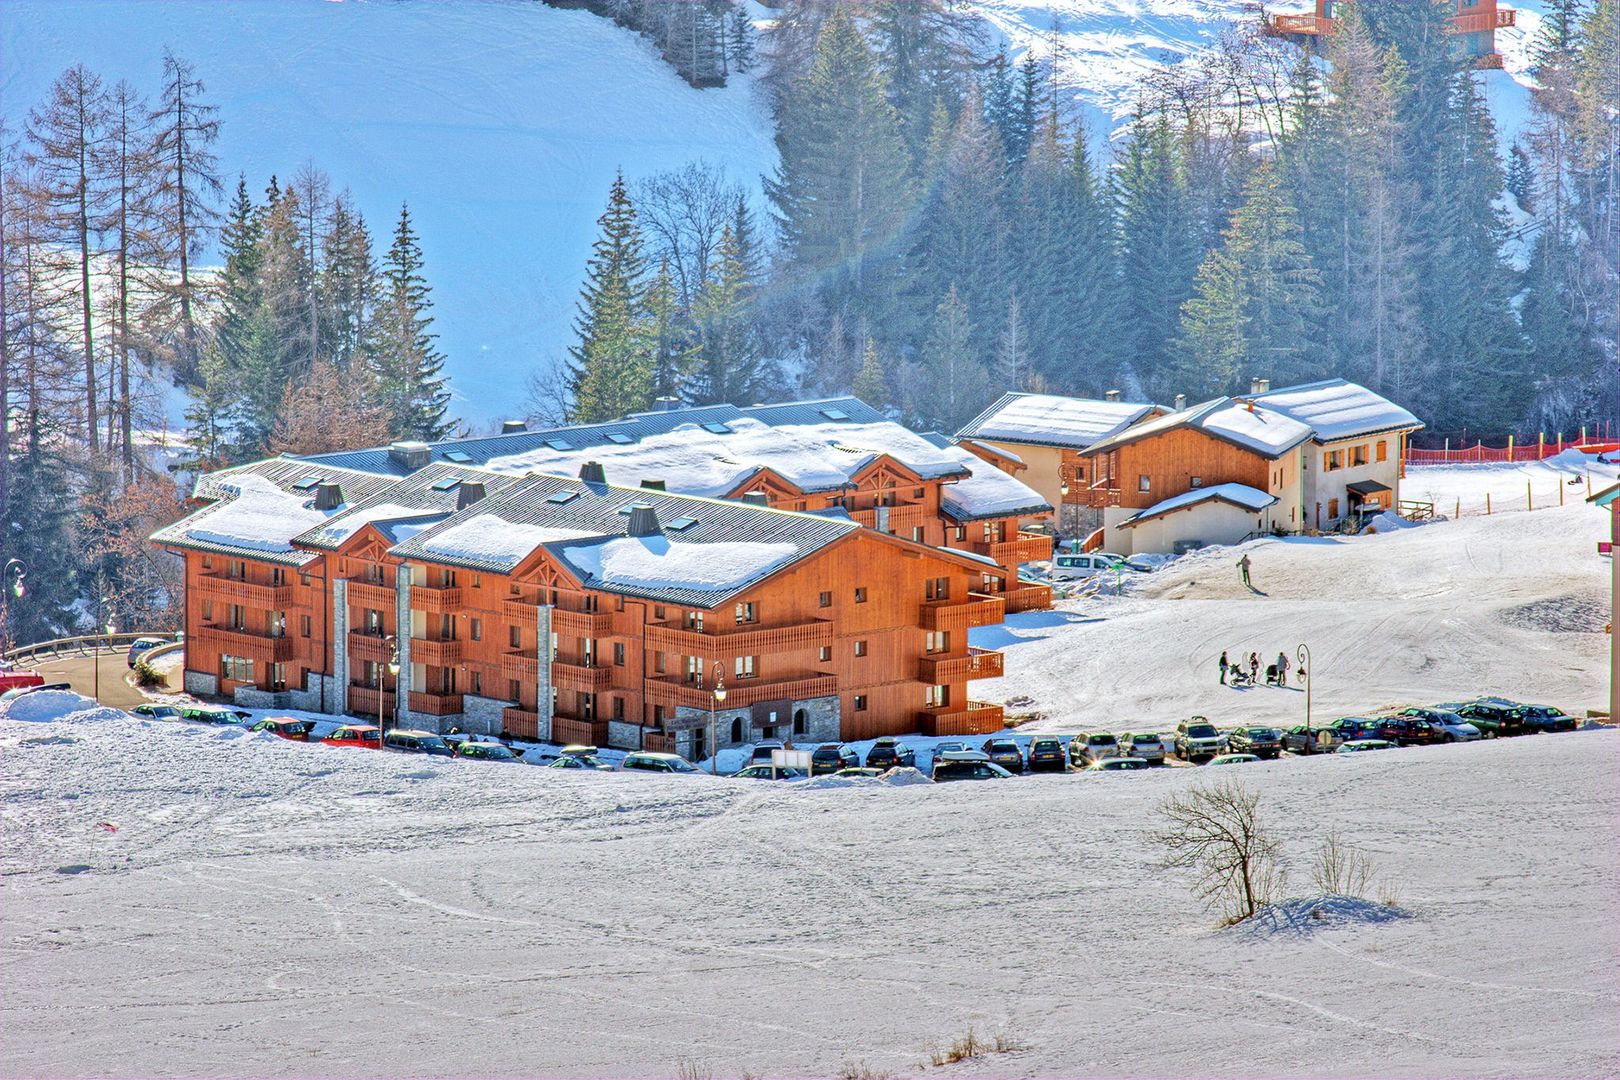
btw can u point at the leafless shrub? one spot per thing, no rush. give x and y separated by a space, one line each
690 1069
1216 832
1339 869
972 1045
861 1071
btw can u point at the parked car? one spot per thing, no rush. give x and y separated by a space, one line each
1409 731
1546 718
1354 746
1093 746
203 714
763 749
364 736
950 746
1117 764
15 683
1006 753
828 758
486 751
1143 744
417 742
1233 759
859 772
141 646
1076 567
889 752
151 710
1197 738
285 727
768 772
1264 742
1496 718
1047 753
577 756
1453 728
645 761
967 765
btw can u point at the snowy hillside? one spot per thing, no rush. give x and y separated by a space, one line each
502 122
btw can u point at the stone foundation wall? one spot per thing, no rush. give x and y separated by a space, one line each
251 697
1079 522
622 735
481 715
200 683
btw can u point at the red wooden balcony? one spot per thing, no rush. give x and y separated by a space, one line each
979 609
520 722
1028 547
435 704
902 519
363 702
435 653
524 666
435 601
723 636
1310 24
658 742
566 729
978 718
368 646
369 594
566 676
1028 598
977 664
584 624
672 693
237 591
246 644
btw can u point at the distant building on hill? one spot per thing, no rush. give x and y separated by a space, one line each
1474 23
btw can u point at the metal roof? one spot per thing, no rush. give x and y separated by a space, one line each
429 492
290 474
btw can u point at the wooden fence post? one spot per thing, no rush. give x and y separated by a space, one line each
1528 504
1487 504
1456 511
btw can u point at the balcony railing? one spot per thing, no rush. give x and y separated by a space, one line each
363 701
524 666
519 611
749 639
265 597
671 693
585 624
1028 547
1097 496
434 600
520 722
1028 598
435 653
902 519
435 704
1309 23
370 594
978 718
368 646
658 742
246 643
567 729
567 676
977 664
979 609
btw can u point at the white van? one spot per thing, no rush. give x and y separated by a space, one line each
1075 567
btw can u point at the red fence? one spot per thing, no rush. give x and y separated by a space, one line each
1480 453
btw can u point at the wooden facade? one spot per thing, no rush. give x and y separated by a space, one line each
1140 474
1474 22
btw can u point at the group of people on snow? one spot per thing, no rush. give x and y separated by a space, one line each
1245 670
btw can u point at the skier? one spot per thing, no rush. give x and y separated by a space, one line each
1243 567
1224 666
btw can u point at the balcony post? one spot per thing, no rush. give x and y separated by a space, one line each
542 652
404 683
340 643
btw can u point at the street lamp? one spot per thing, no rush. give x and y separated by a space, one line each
95 652
1303 674
383 671
11 584
716 699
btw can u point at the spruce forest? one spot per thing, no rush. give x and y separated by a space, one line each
939 229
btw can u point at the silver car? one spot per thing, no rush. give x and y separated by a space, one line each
1145 745
1456 729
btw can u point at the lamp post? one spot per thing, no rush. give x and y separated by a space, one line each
716 698
1303 674
383 671
12 583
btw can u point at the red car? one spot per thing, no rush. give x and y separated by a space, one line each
367 736
285 727
1409 731
14 680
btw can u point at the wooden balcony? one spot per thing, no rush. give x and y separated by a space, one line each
671 693
435 653
750 639
566 730
435 704
237 591
367 646
435 601
1310 24
524 666
658 742
1028 597
246 644
902 519
567 676
977 664
519 611
363 701
1479 22
978 718
369 594
584 624
979 609
1096 497
1028 547
520 722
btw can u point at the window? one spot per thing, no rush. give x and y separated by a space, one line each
937 588
477 678
208 611
918 494
208 562
475 629
1333 508
736 730
938 697
513 590
745 667
916 534
305 625
618 654
1198 481
1358 454
824 600
658 663
514 637
447 627
477 581
235 569
825 654
658 613
938 641
860 702
860 596
278 575
860 648
514 690
236 669
618 708
1383 450
593 603
278 676
694 670
303 575
553 653
799 721
236 617
960 533
1143 483
694 621
1333 459
746 613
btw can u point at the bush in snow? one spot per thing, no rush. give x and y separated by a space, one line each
1216 832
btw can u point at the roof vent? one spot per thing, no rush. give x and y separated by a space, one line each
654 485
1111 395
756 498
412 455
1181 402
468 493
643 521
1259 386
592 473
666 404
512 427
328 496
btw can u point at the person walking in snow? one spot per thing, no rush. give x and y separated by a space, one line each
1254 667
1243 568
1224 666
1282 669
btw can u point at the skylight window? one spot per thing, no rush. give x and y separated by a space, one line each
717 429
562 497
681 524
625 509
457 456
559 444
834 414
447 483
307 483
620 438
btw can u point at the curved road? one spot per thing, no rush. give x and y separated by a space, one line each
80 672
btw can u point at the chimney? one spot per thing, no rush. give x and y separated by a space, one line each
666 404
591 472
1111 395
643 521
1258 385
328 496
468 492
412 455
512 427
1181 402
653 485
756 498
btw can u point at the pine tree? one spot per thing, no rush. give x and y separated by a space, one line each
1521 178
728 351
740 39
403 355
871 383
1012 351
927 50
127 223
350 288
955 383
613 363
671 335
1001 106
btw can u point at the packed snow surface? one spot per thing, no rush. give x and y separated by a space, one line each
656 562
1336 409
177 899
491 539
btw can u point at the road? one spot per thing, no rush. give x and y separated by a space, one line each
80 672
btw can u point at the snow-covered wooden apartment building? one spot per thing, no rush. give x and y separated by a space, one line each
595 583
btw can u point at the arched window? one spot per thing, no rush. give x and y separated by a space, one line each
798 721
736 730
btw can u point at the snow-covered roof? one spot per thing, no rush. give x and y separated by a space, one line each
657 562
495 542
254 517
988 493
1336 409
1239 495
1053 420
1261 430
427 495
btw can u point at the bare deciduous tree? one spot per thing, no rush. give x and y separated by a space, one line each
683 213
1216 832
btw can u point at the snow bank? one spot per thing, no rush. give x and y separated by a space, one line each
903 777
53 706
1308 914
1389 521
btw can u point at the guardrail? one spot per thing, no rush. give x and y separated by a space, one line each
86 645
